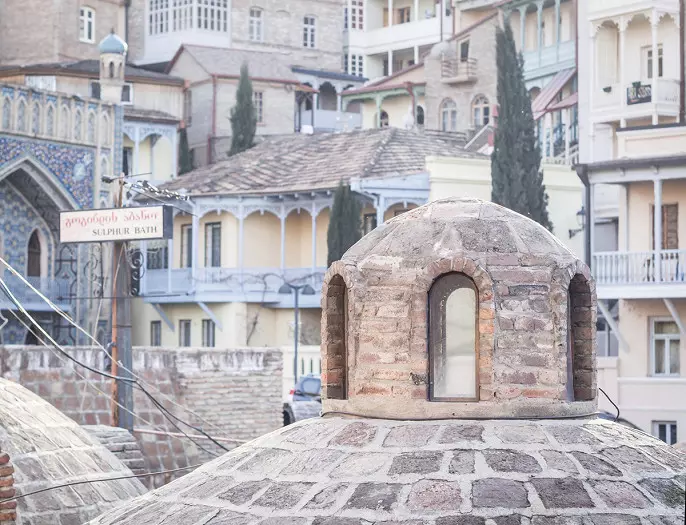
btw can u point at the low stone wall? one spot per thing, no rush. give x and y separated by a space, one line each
237 392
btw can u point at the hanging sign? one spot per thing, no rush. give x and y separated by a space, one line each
116 224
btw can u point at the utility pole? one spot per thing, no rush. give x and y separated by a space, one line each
122 391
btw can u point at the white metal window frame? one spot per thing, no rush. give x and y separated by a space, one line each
184 332
309 31
448 115
647 62
210 261
258 102
87 25
186 245
256 25
669 425
664 337
208 333
481 111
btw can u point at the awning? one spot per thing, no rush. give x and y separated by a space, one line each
540 105
568 102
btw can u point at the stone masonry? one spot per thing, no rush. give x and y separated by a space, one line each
237 393
122 444
8 510
522 274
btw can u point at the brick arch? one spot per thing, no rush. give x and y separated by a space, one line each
336 331
486 313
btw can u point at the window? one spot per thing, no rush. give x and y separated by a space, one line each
420 116
258 102
41 82
208 333
90 129
356 63
21 116
94 89
186 246
368 222
448 115
35 118
127 160
35 256
6 113
453 353
127 94
182 15
665 343
213 246
308 31
670 227
648 62
188 107
334 345
256 32
158 17
356 14
155 333
666 431
78 125
481 112
464 51
403 15
87 25
213 15
383 119
158 258
185 332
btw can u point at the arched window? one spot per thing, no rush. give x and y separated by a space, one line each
481 112
111 67
34 256
448 115
453 327
35 118
383 120
91 127
50 121
64 123
21 116
77 125
104 130
104 167
580 339
420 116
255 25
335 343
309 31
6 113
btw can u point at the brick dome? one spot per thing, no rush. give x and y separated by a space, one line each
389 451
532 342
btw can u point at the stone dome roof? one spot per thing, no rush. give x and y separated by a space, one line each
113 44
339 471
47 448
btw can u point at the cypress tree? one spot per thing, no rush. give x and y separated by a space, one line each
344 224
185 162
516 177
243 118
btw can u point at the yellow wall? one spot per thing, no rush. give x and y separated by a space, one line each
157 159
322 229
262 241
457 177
651 142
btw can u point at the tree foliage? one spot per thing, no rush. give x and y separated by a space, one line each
185 160
344 224
517 180
243 118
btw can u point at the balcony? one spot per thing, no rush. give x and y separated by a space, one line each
608 8
401 36
57 290
253 285
640 275
550 60
331 120
636 100
458 71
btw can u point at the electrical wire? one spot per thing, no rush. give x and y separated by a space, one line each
99 480
138 379
613 403
470 418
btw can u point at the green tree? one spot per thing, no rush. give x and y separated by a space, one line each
344 224
185 161
243 118
516 177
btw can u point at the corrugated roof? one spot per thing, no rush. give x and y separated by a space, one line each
545 97
314 162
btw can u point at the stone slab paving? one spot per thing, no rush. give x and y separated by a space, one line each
340 471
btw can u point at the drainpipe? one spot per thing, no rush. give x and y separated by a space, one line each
682 21
210 141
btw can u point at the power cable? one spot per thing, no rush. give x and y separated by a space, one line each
100 480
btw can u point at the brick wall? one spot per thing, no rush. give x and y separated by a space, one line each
237 391
8 513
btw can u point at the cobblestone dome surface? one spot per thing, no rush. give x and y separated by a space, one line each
342 471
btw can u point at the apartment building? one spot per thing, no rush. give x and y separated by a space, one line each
633 136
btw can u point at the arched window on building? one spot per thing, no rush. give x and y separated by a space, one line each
35 117
580 340
448 115
50 120
481 112
335 343
111 68
90 133
383 119
34 259
64 122
6 113
77 124
21 116
419 119
453 328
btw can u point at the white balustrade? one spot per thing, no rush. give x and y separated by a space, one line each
629 268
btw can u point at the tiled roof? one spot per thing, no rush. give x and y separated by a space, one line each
89 68
136 113
228 62
314 162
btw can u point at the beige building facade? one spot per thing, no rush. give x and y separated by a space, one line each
633 140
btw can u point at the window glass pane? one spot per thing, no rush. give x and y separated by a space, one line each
311 386
662 432
659 356
672 434
455 370
666 327
674 356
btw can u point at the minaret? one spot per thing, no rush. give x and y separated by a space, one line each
112 65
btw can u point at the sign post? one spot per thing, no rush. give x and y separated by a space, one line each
119 225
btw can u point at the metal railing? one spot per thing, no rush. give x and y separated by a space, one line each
621 268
